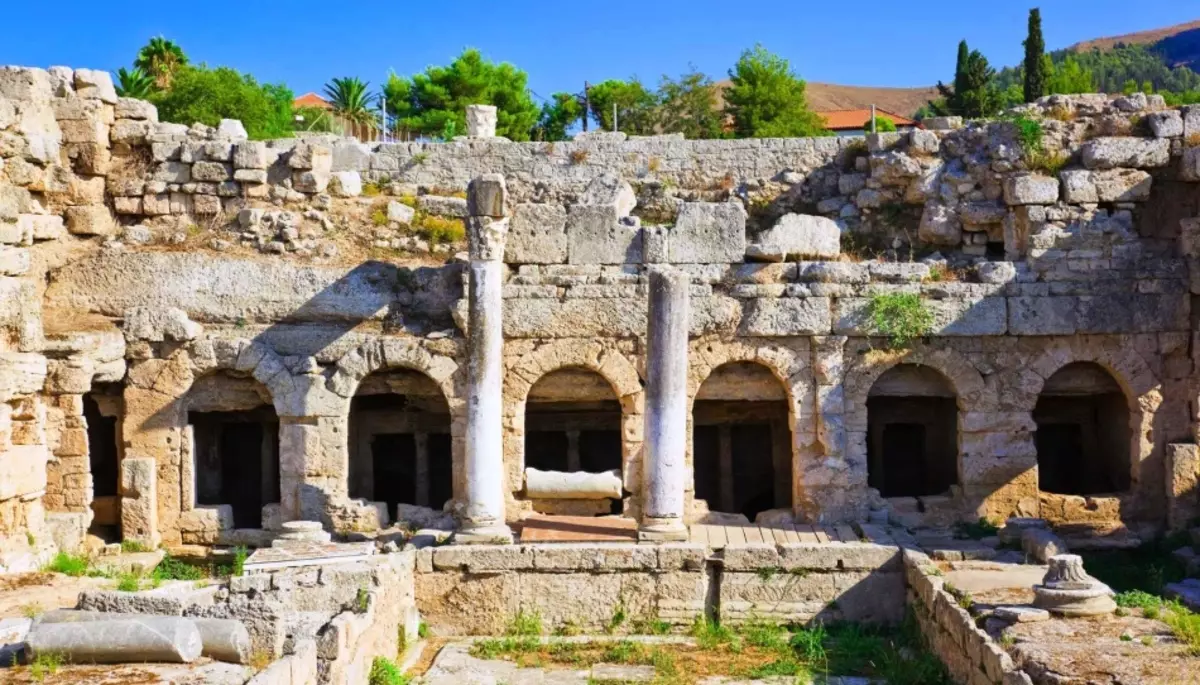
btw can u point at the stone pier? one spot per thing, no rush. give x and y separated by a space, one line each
487 228
664 475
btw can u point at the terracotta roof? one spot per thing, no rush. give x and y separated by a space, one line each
845 119
311 100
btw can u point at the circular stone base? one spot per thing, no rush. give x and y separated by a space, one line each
1096 601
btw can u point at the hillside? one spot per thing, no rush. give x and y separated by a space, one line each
1178 45
824 97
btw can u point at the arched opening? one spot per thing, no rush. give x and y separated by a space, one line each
573 424
912 432
741 441
235 443
102 409
399 442
1082 437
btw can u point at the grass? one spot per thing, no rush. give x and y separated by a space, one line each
134 547
171 568
371 189
525 623
129 582
68 564
579 156
362 601
979 530
617 619
756 649
900 317
32 610
1048 162
260 659
45 664
240 554
384 671
1139 575
379 217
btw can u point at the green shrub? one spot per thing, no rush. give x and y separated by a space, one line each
1029 132
900 317
133 546
45 664
379 217
882 125
708 633
68 564
240 553
129 582
438 229
171 568
384 671
525 623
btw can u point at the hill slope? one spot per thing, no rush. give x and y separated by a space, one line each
1179 45
824 97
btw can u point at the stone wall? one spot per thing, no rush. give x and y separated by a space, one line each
155 255
473 590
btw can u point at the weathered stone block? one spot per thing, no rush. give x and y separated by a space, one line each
708 232
537 234
1138 153
596 235
786 316
211 171
90 220
487 196
1030 189
345 184
92 84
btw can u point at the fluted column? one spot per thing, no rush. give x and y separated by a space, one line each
664 470
487 228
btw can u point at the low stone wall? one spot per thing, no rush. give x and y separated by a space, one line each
970 654
478 589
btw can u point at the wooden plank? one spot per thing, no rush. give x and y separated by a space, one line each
736 535
846 533
791 534
807 533
754 534
716 537
832 533
821 533
779 534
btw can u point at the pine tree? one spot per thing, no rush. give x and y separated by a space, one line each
1035 64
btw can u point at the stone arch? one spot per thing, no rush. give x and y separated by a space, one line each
1140 387
789 366
604 360
384 354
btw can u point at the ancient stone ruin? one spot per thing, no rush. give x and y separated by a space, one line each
208 337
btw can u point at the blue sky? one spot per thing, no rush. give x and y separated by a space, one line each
560 44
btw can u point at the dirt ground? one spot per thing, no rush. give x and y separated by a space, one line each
26 593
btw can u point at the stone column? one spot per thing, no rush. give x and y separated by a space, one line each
487 228
481 121
664 469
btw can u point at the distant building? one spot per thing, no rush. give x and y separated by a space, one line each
853 122
364 131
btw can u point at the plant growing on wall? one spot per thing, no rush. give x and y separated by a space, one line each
135 83
900 317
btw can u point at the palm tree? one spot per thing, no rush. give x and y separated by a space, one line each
351 99
161 58
135 84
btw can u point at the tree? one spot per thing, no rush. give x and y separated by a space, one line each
973 95
432 102
558 115
689 106
635 106
1069 78
766 99
135 83
351 99
1035 63
882 124
200 94
161 59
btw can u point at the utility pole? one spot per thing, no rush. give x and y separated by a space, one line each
586 105
615 127
872 118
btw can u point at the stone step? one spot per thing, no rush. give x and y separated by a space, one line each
1186 591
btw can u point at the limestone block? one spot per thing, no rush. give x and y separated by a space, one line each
1189 166
84 131
206 205
576 485
487 195
1121 185
1030 189
1042 315
310 181
482 558
345 184
590 557
211 171
25 83
351 156
232 129
481 121
173 172
132 108
610 189
940 225
441 205
91 84
708 232
537 234
139 504
1138 153
597 235
1165 124
22 470
90 220
252 154
129 132
942 123
14 261
14 202
250 175
158 324
78 109
786 316
310 157
1182 485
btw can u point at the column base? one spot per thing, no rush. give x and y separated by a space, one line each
498 534
662 530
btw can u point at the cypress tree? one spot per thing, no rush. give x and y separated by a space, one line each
960 66
1035 65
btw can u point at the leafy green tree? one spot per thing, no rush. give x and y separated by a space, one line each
1035 64
558 115
1130 86
200 94
161 58
351 99
1069 78
635 106
425 102
135 83
689 106
973 95
766 99
882 124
